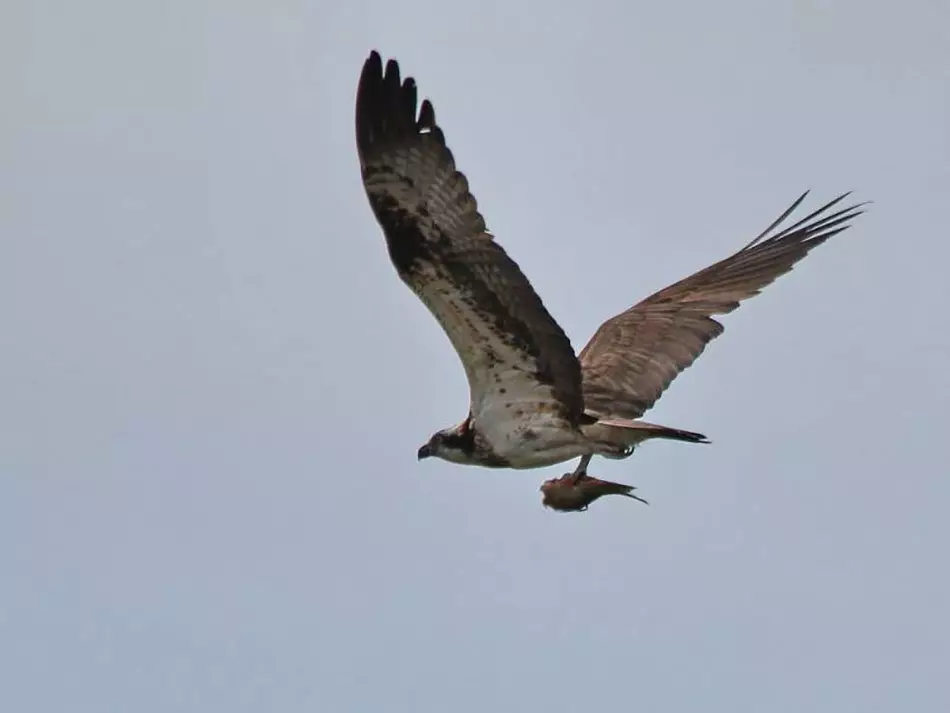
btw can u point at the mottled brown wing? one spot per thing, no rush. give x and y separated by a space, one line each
634 356
510 346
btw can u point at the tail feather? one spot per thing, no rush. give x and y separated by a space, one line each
621 431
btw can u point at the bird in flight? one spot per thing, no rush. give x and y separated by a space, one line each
533 402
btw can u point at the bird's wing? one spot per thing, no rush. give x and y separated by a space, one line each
633 357
510 346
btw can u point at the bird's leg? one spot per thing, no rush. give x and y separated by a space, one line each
581 469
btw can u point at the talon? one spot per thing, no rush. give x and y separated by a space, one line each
580 471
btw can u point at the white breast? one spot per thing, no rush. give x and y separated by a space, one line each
528 434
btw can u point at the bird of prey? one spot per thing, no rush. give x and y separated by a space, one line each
533 402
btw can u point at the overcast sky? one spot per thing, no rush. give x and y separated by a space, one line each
213 384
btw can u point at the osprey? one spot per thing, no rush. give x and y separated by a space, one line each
533 402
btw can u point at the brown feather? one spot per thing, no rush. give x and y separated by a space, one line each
634 356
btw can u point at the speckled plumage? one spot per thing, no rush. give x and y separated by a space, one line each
533 402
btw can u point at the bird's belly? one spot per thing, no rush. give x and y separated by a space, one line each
525 457
534 443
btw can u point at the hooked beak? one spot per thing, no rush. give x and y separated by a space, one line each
424 452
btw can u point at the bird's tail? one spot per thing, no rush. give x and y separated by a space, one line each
626 434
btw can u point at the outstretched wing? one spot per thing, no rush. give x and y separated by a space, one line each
509 344
633 357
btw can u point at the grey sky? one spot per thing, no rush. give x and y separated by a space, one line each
214 384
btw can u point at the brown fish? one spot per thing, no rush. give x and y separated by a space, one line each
570 493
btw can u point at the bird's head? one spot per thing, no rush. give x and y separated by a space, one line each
451 444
